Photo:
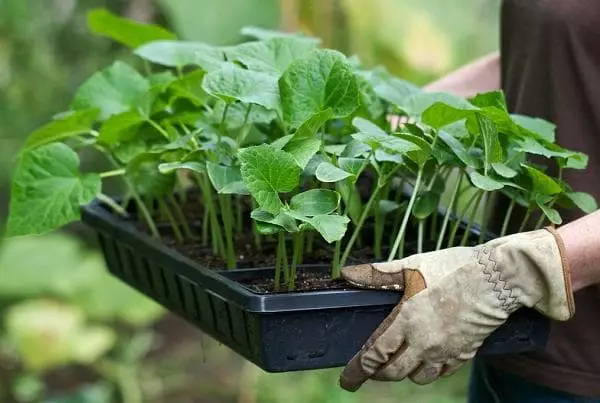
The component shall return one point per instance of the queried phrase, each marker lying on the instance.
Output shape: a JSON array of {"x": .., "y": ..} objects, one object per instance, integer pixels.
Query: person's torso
[{"x": 550, "y": 55}]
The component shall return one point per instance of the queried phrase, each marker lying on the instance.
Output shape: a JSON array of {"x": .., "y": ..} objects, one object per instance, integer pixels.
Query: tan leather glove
[{"x": 453, "y": 299}]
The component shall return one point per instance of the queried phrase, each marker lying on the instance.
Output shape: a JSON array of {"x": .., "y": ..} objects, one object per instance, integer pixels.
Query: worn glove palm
[{"x": 453, "y": 299}]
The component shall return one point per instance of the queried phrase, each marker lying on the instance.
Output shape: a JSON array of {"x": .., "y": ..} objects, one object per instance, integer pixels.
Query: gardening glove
[{"x": 453, "y": 299}]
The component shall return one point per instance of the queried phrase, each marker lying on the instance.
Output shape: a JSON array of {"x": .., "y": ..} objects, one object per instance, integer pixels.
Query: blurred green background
[{"x": 69, "y": 332}]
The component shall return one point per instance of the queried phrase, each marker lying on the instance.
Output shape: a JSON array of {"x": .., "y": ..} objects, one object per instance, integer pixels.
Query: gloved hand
[{"x": 453, "y": 299}]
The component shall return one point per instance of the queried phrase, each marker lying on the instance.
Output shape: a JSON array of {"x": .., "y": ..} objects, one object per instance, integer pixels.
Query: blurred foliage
[{"x": 52, "y": 286}]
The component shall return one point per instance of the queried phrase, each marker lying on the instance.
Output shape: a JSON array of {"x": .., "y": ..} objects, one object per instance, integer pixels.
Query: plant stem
[
  {"x": 310, "y": 239},
  {"x": 484, "y": 217},
  {"x": 525, "y": 219},
  {"x": 400, "y": 237},
  {"x": 449, "y": 209},
  {"x": 112, "y": 204},
  {"x": 465, "y": 237},
  {"x": 217, "y": 237},
  {"x": 398, "y": 199},
  {"x": 295, "y": 259},
  {"x": 380, "y": 223},
  {"x": 279, "y": 258},
  {"x": 507, "y": 217},
  {"x": 238, "y": 212},
  {"x": 222, "y": 126},
  {"x": 205, "y": 223},
  {"x": 114, "y": 172},
  {"x": 420, "y": 236},
  {"x": 181, "y": 217},
  {"x": 460, "y": 219},
  {"x": 284, "y": 259},
  {"x": 246, "y": 127},
  {"x": 164, "y": 208},
  {"x": 257, "y": 237},
  {"x": 226, "y": 216},
  {"x": 146, "y": 214},
  {"x": 160, "y": 129},
  {"x": 361, "y": 221}
]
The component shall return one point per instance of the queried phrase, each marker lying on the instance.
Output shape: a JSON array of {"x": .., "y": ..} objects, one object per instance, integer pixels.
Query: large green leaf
[
  {"x": 267, "y": 172},
  {"x": 281, "y": 220},
  {"x": 194, "y": 166},
  {"x": 116, "y": 89},
  {"x": 268, "y": 34},
  {"x": 315, "y": 202},
  {"x": 459, "y": 149},
  {"x": 272, "y": 56},
  {"x": 494, "y": 99},
  {"x": 225, "y": 179},
  {"x": 232, "y": 83},
  {"x": 586, "y": 202},
  {"x": 534, "y": 126},
  {"x": 332, "y": 227},
  {"x": 552, "y": 214},
  {"x": 370, "y": 134},
  {"x": 48, "y": 190},
  {"x": 305, "y": 143},
  {"x": 351, "y": 165},
  {"x": 329, "y": 173},
  {"x": 541, "y": 182},
  {"x": 491, "y": 142},
  {"x": 120, "y": 128},
  {"x": 125, "y": 31},
  {"x": 504, "y": 170},
  {"x": 146, "y": 177},
  {"x": 181, "y": 54},
  {"x": 426, "y": 204},
  {"x": 70, "y": 125},
  {"x": 320, "y": 80},
  {"x": 441, "y": 113},
  {"x": 392, "y": 89},
  {"x": 485, "y": 182}
]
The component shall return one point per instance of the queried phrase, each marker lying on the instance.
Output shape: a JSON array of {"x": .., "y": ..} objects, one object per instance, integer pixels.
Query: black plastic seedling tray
[{"x": 278, "y": 332}]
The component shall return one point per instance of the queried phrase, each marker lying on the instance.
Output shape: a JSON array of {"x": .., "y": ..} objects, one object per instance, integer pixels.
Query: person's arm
[
  {"x": 482, "y": 75},
  {"x": 582, "y": 249}
]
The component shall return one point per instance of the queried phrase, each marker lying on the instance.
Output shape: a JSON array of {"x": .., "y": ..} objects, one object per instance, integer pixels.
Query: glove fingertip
[{"x": 352, "y": 377}]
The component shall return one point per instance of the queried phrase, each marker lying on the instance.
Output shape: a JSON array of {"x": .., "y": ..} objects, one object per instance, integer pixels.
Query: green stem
[
  {"x": 400, "y": 237},
  {"x": 160, "y": 129},
  {"x": 337, "y": 264},
  {"x": 310, "y": 240},
  {"x": 279, "y": 258},
  {"x": 167, "y": 212},
  {"x": 114, "y": 172},
  {"x": 284, "y": 258},
  {"x": 460, "y": 219},
  {"x": 181, "y": 217},
  {"x": 146, "y": 214},
  {"x": 465, "y": 238},
  {"x": 380, "y": 224},
  {"x": 420, "y": 236},
  {"x": 484, "y": 217},
  {"x": 449, "y": 209},
  {"x": 226, "y": 216},
  {"x": 112, "y": 204},
  {"x": 217, "y": 237},
  {"x": 246, "y": 127},
  {"x": 295, "y": 259},
  {"x": 222, "y": 126},
  {"x": 239, "y": 215},
  {"x": 398, "y": 200},
  {"x": 507, "y": 217},
  {"x": 205, "y": 222},
  {"x": 525, "y": 219},
  {"x": 257, "y": 236},
  {"x": 361, "y": 221}
]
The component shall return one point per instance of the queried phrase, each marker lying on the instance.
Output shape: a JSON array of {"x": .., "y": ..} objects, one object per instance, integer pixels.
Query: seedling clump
[{"x": 285, "y": 146}]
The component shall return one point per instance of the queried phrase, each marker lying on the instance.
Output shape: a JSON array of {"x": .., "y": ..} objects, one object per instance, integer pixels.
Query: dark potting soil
[{"x": 305, "y": 281}]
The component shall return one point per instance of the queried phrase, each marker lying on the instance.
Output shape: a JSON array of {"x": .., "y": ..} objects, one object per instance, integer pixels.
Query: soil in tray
[{"x": 305, "y": 281}]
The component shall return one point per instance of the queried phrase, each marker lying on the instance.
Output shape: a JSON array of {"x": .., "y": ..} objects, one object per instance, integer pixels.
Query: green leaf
[
  {"x": 125, "y": 31},
  {"x": 329, "y": 173},
  {"x": 116, "y": 89},
  {"x": 538, "y": 127},
  {"x": 48, "y": 190},
  {"x": 320, "y": 80},
  {"x": 67, "y": 126},
  {"x": 369, "y": 99},
  {"x": 315, "y": 202},
  {"x": 586, "y": 202},
  {"x": 485, "y": 182},
  {"x": 331, "y": 227},
  {"x": 504, "y": 170},
  {"x": 459, "y": 150},
  {"x": 272, "y": 56},
  {"x": 231, "y": 83},
  {"x": 532, "y": 146},
  {"x": 355, "y": 149},
  {"x": 552, "y": 214},
  {"x": 170, "y": 167},
  {"x": 181, "y": 54},
  {"x": 351, "y": 165},
  {"x": 422, "y": 154},
  {"x": 121, "y": 127},
  {"x": 392, "y": 89},
  {"x": 577, "y": 161},
  {"x": 226, "y": 180},
  {"x": 281, "y": 220},
  {"x": 542, "y": 183},
  {"x": 425, "y": 205},
  {"x": 387, "y": 206},
  {"x": 375, "y": 137},
  {"x": 493, "y": 98},
  {"x": 267, "y": 34},
  {"x": 267, "y": 172},
  {"x": 441, "y": 114},
  {"x": 302, "y": 149},
  {"x": 145, "y": 175},
  {"x": 492, "y": 148},
  {"x": 351, "y": 198}
]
